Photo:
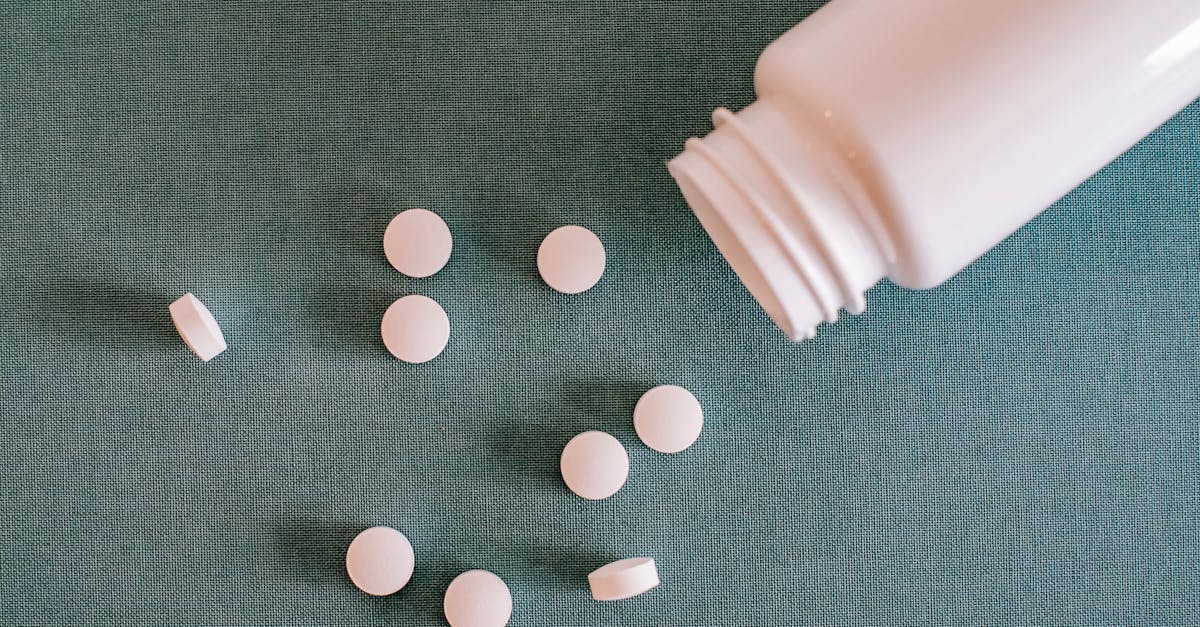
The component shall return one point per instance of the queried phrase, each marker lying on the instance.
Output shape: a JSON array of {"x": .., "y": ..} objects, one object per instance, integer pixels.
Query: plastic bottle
[{"x": 905, "y": 139}]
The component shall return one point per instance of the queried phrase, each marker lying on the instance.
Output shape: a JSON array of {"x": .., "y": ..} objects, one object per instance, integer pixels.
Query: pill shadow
[
  {"x": 349, "y": 316},
  {"x": 354, "y": 219},
  {"x": 426, "y": 590},
  {"x": 537, "y": 565},
  {"x": 611, "y": 402},
  {"x": 527, "y": 450},
  {"x": 105, "y": 313},
  {"x": 513, "y": 237},
  {"x": 517, "y": 558},
  {"x": 567, "y": 565},
  {"x": 314, "y": 549}
]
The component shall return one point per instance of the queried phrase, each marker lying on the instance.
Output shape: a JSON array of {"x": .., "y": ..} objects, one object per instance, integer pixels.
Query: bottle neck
[{"x": 785, "y": 208}]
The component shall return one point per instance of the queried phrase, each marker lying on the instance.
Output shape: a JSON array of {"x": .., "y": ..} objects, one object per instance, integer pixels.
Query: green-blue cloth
[{"x": 1018, "y": 446}]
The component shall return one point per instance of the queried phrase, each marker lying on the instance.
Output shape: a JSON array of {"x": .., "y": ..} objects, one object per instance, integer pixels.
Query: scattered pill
[
  {"x": 380, "y": 561},
  {"x": 477, "y": 598},
  {"x": 668, "y": 418},
  {"x": 197, "y": 327},
  {"x": 594, "y": 465},
  {"x": 415, "y": 329},
  {"x": 417, "y": 242},
  {"x": 571, "y": 259},
  {"x": 623, "y": 579}
]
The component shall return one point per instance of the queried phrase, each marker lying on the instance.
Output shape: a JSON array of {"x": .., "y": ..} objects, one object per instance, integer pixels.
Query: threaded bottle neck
[{"x": 786, "y": 211}]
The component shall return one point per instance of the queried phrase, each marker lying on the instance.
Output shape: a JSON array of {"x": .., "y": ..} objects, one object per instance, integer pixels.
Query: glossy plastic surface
[
  {"x": 970, "y": 118},
  {"x": 905, "y": 139}
]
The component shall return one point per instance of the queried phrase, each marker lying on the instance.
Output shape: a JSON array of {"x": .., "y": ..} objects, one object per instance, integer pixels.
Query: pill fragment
[
  {"x": 197, "y": 327},
  {"x": 668, "y": 418},
  {"x": 477, "y": 598},
  {"x": 415, "y": 329},
  {"x": 417, "y": 242},
  {"x": 623, "y": 579},
  {"x": 571, "y": 259},
  {"x": 594, "y": 465},
  {"x": 380, "y": 561}
]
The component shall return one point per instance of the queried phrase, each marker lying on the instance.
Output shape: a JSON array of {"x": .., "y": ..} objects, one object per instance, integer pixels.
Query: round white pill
[
  {"x": 477, "y": 598},
  {"x": 380, "y": 561},
  {"x": 594, "y": 465},
  {"x": 571, "y": 259},
  {"x": 668, "y": 418},
  {"x": 415, "y": 329},
  {"x": 623, "y": 579},
  {"x": 197, "y": 327},
  {"x": 417, "y": 242}
]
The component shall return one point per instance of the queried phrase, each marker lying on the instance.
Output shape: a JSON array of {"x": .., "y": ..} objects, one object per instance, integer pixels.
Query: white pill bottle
[{"x": 903, "y": 139}]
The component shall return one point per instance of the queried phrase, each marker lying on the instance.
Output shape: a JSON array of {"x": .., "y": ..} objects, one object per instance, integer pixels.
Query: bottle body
[{"x": 906, "y": 139}]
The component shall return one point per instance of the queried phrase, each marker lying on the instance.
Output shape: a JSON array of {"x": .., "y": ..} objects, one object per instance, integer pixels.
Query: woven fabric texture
[{"x": 1017, "y": 446}]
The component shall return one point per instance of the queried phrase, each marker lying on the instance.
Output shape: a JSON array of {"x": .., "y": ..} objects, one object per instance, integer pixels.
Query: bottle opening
[
  {"x": 764, "y": 187},
  {"x": 704, "y": 204}
]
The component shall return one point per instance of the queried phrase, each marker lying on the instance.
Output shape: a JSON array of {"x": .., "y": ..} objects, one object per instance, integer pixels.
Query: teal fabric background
[{"x": 1019, "y": 446}]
